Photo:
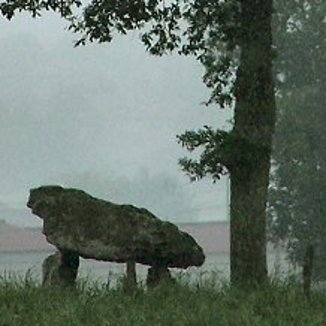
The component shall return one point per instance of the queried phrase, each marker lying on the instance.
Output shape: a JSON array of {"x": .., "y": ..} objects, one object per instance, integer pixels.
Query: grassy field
[{"x": 24, "y": 303}]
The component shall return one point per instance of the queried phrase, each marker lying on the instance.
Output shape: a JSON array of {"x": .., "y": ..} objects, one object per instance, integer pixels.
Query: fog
[{"x": 100, "y": 117}]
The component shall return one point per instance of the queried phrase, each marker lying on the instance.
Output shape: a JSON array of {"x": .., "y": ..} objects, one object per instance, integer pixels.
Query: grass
[{"x": 24, "y": 303}]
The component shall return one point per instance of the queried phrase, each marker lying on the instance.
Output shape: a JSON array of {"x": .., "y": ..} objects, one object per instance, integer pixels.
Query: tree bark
[{"x": 254, "y": 127}]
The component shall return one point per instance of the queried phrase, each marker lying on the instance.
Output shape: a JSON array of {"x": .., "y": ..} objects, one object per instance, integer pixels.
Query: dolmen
[{"x": 80, "y": 225}]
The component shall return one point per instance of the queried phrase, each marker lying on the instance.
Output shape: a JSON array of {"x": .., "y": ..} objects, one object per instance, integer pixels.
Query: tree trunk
[{"x": 253, "y": 128}]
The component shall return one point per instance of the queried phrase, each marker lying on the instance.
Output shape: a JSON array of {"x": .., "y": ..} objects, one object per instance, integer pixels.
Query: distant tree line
[{"x": 297, "y": 198}]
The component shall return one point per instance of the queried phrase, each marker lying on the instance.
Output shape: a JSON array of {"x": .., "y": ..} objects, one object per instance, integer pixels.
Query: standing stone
[
  {"x": 157, "y": 274},
  {"x": 130, "y": 281},
  {"x": 60, "y": 269},
  {"x": 50, "y": 269},
  {"x": 131, "y": 271}
]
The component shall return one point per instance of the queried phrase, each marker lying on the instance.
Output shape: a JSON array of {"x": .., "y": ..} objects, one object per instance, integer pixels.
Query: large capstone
[{"x": 94, "y": 228}]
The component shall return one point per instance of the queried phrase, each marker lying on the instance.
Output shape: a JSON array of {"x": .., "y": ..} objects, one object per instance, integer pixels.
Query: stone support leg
[
  {"x": 60, "y": 269},
  {"x": 157, "y": 274}
]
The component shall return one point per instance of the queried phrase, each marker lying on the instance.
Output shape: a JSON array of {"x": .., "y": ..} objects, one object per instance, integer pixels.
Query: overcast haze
[{"x": 98, "y": 117}]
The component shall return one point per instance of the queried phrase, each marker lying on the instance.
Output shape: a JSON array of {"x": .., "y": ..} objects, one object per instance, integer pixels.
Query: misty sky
[{"x": 91, "y": 116}]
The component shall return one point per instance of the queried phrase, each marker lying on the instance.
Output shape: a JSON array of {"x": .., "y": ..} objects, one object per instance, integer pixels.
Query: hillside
[
  {"x": 212, "y": 236},
  {"x": 13, "y": 238}
]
